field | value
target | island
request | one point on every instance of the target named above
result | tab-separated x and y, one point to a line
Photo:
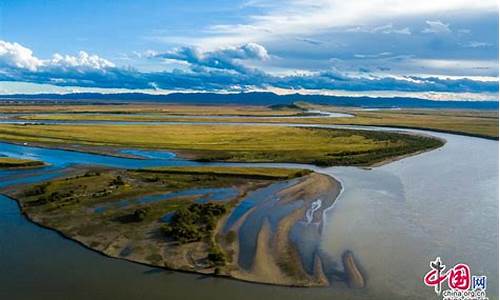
244	223
18	163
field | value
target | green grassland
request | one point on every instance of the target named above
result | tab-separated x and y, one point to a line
9	162
233	143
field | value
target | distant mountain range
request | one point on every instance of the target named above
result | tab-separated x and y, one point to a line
254	98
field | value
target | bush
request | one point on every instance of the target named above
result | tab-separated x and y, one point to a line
36	190
118	181
140	214
194	222
216	256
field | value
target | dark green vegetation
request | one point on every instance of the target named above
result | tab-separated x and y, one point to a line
8	162
195	222
402	144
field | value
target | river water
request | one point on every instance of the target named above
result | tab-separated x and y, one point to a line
395	218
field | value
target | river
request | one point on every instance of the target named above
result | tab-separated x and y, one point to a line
395	218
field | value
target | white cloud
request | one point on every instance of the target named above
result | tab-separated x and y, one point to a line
377	55
301	17
82	61
223	70
228	58
476	44
454	66
15	55
436	27
385	29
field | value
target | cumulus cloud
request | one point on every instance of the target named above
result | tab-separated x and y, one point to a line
17	56
218	70
226	58
82	61
436	27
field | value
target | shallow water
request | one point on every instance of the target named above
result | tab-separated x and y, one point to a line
204	195
398	217
253	199
394	218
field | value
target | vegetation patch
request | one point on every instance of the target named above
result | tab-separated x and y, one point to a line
264	173
102	209
234	143
9	162
195	222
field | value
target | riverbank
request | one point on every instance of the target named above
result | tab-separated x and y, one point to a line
476	123
89	207
377	217
231	143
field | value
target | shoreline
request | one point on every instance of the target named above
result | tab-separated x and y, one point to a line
228	275
193	154
323	214
207	121
26	167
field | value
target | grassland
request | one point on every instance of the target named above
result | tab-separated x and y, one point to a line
128	110
233	143
244	172
14	163
467	122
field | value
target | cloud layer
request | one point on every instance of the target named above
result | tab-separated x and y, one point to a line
218	70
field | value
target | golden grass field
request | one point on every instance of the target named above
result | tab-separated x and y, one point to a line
163	109
238	143
468	122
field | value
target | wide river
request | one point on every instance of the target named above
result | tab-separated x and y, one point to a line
395	218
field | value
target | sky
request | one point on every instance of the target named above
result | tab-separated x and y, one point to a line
445	49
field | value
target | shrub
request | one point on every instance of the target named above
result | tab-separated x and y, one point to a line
118	181
36	190
216	256
194	222
140	214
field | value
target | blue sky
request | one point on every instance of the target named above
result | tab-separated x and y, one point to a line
434	49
